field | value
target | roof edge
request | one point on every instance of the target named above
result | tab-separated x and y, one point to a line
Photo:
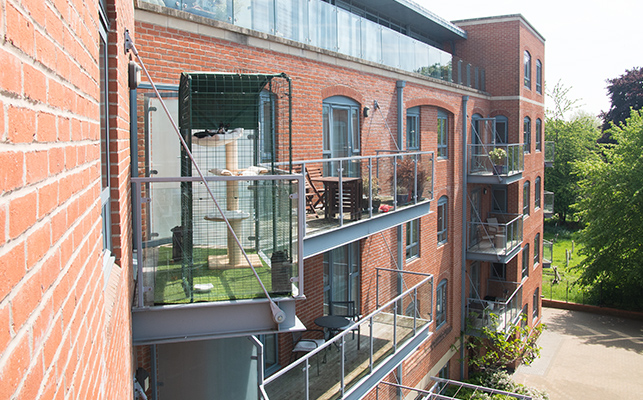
410	4
500	18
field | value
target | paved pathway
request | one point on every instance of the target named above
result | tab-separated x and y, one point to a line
587	356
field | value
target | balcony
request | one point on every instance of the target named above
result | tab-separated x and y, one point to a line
390	334
505	169
548	206
326	26
193	279
496	240
499	310
549	154
377	193
548	253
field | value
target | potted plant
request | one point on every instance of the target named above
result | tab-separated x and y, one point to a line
498	156
406	175
374	189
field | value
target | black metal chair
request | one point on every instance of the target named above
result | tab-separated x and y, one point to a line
348	310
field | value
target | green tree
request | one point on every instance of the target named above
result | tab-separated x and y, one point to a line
573	140
494	349
611	206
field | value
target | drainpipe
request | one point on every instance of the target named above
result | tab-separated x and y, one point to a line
463	272
399	85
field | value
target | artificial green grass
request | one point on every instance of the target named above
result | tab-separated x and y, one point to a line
172	279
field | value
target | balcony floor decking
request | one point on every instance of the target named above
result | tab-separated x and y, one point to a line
326	385
486	246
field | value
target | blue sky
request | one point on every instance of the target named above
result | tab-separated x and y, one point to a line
586	42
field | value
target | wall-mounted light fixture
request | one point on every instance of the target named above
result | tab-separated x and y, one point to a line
367	112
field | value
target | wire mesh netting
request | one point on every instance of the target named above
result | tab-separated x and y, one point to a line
236	127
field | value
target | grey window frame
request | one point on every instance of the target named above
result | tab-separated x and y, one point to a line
537	193
413	239
526	122
104	129
443	220
350	280
496	206
525	261
536	308
443	134
527	69
413	121
502	121
525	198
441	304
537	249
539	76
539	134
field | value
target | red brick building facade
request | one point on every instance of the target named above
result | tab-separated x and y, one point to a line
67	284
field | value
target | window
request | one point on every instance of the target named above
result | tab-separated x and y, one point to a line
413	239
441	304
499	271
444	371
413	128
270	351
499	199
537	194
341	135
537	249
539	77
442	220
527	136
525	261
539	135
341	276
527	61
536	302
104	134
501	129
443	135
266	153
525	199
474	281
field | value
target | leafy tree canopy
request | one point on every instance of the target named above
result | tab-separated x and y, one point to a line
573	140
611	205
625	92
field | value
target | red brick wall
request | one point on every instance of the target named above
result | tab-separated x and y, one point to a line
61	336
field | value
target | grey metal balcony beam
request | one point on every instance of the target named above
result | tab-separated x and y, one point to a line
333	238
495	179
403	352
214	320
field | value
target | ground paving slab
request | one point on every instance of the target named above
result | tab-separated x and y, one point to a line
587	356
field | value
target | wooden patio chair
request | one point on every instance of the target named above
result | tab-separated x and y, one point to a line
314	195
